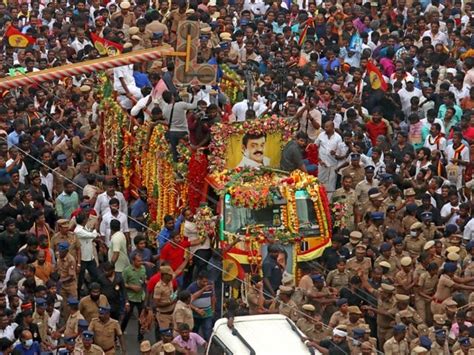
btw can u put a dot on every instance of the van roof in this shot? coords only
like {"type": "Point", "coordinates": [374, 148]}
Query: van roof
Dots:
{"type": "Point", "coordinates": [266, 334]}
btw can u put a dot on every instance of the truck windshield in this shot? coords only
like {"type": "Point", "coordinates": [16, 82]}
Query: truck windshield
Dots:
{"type": "Point", "coordinates": [306, 213]}
{"type": "Point", "coordinates": [238, 218]}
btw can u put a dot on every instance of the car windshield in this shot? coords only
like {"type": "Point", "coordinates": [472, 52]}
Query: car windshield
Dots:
{"type": "Point", "coordinates": [238, 218]}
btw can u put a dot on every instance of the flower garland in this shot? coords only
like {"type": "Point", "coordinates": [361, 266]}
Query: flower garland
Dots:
{"type": "Point", "coordinates": [232, 84]}
{"type": "Point", "coordinates": [222, 132]}
{"type": "Point", "coordinates": [205, 222]}
{"type": "Point", "coordinates": [339, 211]}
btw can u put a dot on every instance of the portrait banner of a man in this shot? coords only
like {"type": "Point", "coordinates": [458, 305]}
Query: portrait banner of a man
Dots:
{"type": "Point", "coordinates": [254, 150]}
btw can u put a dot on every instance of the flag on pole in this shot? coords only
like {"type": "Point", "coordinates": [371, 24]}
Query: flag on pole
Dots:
{"type": "Point", "coordinates": [376, 78]}
{"type": "Point", "coordinates": [105, 46]}
{"type": "Point", "coordinates": [304, 33]}
{"type": "Point", "coordinates": [17, 39]}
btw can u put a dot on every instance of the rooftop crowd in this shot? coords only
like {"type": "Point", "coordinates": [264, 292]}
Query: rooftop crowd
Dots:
{"type": "Point", "coordinates": [382, 97]}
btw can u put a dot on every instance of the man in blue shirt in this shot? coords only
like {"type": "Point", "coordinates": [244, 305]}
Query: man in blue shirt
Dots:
{"type": "Point", "coordinates": [139, 211]}
{"type": "Point", "coordinates": [329, 64]}
{"type": "Point", "coordinates": [27, 345]}
{"type": "Point", "coordinates": [14, 136]}
{"type": "Point", "coordinates": [169, 228]}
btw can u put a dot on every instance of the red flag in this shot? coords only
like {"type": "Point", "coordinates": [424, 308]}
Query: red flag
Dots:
{"type": "Point", "coordinates": [17, 39]}
{"type": "Point", "coordinates": [376, 78]}
{"type": "Point", "coordinates": [104, 46]}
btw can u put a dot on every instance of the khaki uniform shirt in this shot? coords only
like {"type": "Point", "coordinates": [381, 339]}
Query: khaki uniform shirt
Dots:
{"type": "Point", "coordinates": [427, 283]}
{"type": "Point", "coordinates": [58, 178]}
{"type": "Point", "coordinates": [72, 323]}
{"type": "Point", "coordinates": [414, 245]}
{"type": "Point", "coordinates": [429, 231]}
{"type": "Point", "coordinates": [289, 310]}
{"type": "Point", "coordinates": [74, 244]}
{"type": "Point", "coordinates": [437, 349]}
{"type": "Point", "coordinates": [376, 235]}
{"type": "Point", "coordinates": [42, 323]}
{"type": "Point", "coordinates": [338, 318]}
{"type": "Point", "coordinates": [163, 293]}
{"type": "Point", "coordinates": [393, 224]}
{"type": "Point", "coordinates": [67, 267]}
{"type": "Point", "coordinates": [90, 308]}
{"type": "Point", "coordinates": [338, 279]}
{"type": "Point", "coordinates": [392, 347]}
{"type": "Point", "coordinates": [391, 260]}
{"type": "Point", "coordinates": [384, 321]}
{"type": "Point", "coordinates": [105, 334]}
{"type": "Point", "coordinates": [403, 278]}
{"type": "Point", "coordinates": [407, 222]}
{"type": "Point", "coordinates": [129, 18]}
{"type": "Point", "coordinates": [362, 190]}
{"type": "Point", "coordinates": [182, 314]}
{"type": "Point", "coordinates": [354, 266]}
{"type": "Point", "coordinates": [443, 290]}
{"type": "Point", "coordinates": [357, 174]}
{"type": "Point", "coordinates": [94, 350]}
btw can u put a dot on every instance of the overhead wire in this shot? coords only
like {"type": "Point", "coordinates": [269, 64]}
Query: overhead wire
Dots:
{"type": "Point", "coordinates": [270, 296]}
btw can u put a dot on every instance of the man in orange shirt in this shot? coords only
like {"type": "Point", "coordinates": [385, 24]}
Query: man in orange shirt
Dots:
{"type": "Point", "coordinates": [43, 268]}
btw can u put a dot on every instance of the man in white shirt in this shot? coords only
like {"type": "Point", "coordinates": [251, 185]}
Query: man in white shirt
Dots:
{"type": "Point", "coordinates": [408, 92]}
{"type": "Point", "coordinates": [450, 211]}
{"type": "Point", "coordinates": [102, 203]}
{"type": "Point", "coordinates": [435, 140]}
{"type": "Point", "coordinates": [200, 252]}
{"type": "Point", "coordinates": [81, 41]}
{"type": "Point", "coordinates": [145, 104]}
{"type": "Point", "coordinates": [113, 214]}
{"type": "Point", "coordinates": [240, 109]}
{"type": "Point", "coordinates": [309, 119]}
{"type": "Point", "coordinates": [436, 35]}
{"type": "Point", "coordinates": [328, 142]}
{"type": "Point", "coordinates": [253, 147]}
{"type": "Point", "coordinates": [457, 154]}
{"type": "Point", "coordinates": [125, 85]}
{"type": "Point", "coordinates": [86, 239]}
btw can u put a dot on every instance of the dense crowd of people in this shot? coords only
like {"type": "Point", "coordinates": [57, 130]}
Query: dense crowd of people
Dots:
{"type": "Point", "coordinates": [381, 94]}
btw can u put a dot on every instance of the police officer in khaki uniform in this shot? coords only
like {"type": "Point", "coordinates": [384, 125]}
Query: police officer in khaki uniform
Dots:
{"type": "Point", "coordinates": [354, 238]}
{"type": "Point", "coordinates": [87, 346]}
{"type": "Point", "coordinates": [342, 315]}
{"type": "Point", "coordinates": [182, 311]}
{"type": "Point", "coordinates": [404, 278]}
{"type": "Point", "coordinates": [363, 187]}
{"type": "Point", "coordinates": [392, 221]}
{"type": "Point", "coordinates": [375, 230]}
{"type": "Point", "coordinates": [306, 323]}
{"type": "Point", "coordinates": [346, 195]}
{"type": "Point", "coordinates": [40, 318]}
{"type": "Point", "coordinates": [164, 298]}
{"type": "Point", "coordinates": [429, 229]}
{"type": "Point", "coordinates": [355, 319]}
{"type": "Point", "coordinates": [72, 323]}
{"type": "Point", "coordinates": [397, 345]}
{"type": "Point", "coordinates": [339, 277]}
{"type": "Point", "coordinates": [106, 330]}
{"type": "Point", "coordinates": [439, 344]}
{"type": "Point", "coordinates": [386, 255]}
{"type": "Point", "coordinates": [425, 289]}
{"type": "Point", "coordinates": [66, 268]}
{"type": "Point", "coordinates": [89, 305]}
{"type": "Point", "coordinates": [284, 304]}
{"type": "Point", "coordinates": [354, 170]}
{"type": "Point", "coordinates": [375, 203]}
{"type": "Point", "coordinates": [414, 242]}
{"type": "Point", "coordinates": [64, 234]}
{"type": "Point", "coordinates": [385, 303]}
{"type": "Point", "coordinates": [359, 263]}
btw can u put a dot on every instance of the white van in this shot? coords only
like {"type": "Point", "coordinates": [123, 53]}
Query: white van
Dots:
{"type": "Point", "coordinates": [272, 334]}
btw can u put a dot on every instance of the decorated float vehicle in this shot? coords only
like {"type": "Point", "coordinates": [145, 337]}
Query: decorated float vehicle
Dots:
{"type": "Point", "coordinates": [260, 204]}
{"type": "Point", "coordinates": [237, 176]}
